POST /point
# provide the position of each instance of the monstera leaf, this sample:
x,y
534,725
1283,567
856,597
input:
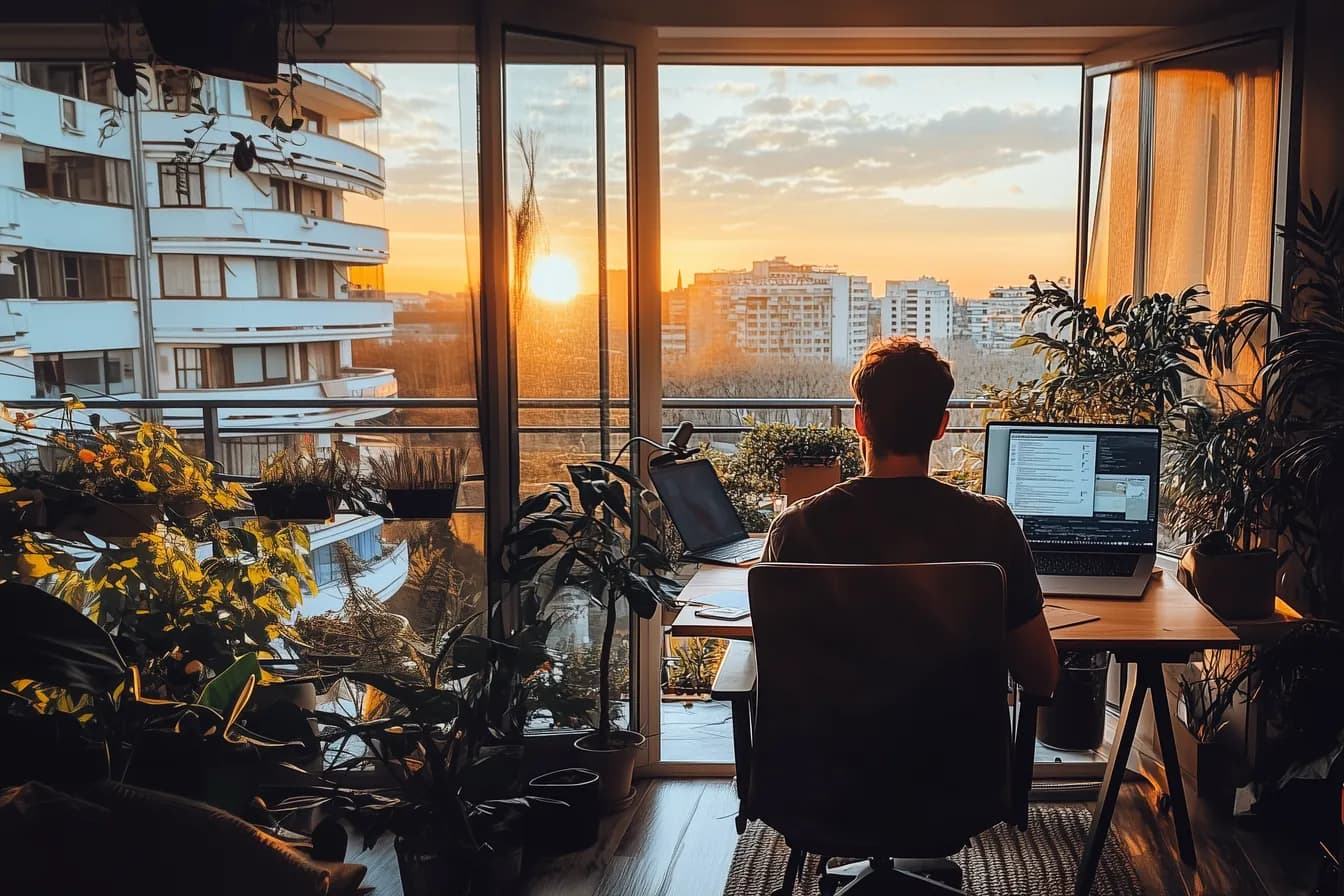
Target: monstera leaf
x,y
45,639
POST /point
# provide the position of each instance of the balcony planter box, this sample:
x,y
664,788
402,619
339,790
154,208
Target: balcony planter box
x,y
422,503
109,521
1240,585
285,504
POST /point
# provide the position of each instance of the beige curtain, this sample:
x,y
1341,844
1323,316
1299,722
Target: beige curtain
x,y
1110,258
1212,198
1211,193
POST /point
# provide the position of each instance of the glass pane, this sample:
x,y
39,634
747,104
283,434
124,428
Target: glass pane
x,y
1109,273
807,210
569,207
1214,139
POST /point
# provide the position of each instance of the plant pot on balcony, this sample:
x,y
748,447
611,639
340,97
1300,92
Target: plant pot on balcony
x,y
422,503
614,764
287,504
110,521
570,823
803,477
1239,585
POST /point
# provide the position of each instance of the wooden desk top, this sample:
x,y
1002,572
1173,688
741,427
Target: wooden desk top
x,y
1167,617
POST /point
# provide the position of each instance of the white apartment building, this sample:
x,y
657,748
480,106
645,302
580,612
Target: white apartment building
x,y
993,323
780,309
238,285
920,308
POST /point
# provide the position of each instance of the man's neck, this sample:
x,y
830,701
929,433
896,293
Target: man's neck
x,y
896,466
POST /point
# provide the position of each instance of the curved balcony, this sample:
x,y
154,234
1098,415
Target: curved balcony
x,y
325,159
82,325
264,232
383,575
354,382
255,321
340,90
30,221
62,122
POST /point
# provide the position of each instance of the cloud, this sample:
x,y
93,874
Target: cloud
x,y
813,77
736,88
876,79
770,105
850,152
1016,190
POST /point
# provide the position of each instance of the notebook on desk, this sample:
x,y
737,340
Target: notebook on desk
x,y
1063,617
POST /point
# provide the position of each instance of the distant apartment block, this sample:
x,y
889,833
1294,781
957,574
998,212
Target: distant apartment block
x,y
775,308
920,308
992,323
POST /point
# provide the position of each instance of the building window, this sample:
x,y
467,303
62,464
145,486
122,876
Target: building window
x,y
87,374
260,364
272,278
318,361
314,279
189,364
72,79
69,275
76,176
182,184
291,196
180,91
191,276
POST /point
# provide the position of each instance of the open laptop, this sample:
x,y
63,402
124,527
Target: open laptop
x,y
1086,496
708,523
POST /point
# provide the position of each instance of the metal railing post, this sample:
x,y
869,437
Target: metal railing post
x,y
837,416
210,433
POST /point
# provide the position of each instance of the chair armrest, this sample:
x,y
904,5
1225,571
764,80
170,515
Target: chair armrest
x,y
736,678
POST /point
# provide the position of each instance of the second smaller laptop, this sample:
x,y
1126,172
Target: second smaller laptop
x,y
705,519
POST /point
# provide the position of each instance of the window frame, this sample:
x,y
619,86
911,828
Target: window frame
x,y
267,379
116,186
196,272
168,176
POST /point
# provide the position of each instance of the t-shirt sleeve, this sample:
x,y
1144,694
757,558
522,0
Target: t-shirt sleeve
x,y
1022,599
777,549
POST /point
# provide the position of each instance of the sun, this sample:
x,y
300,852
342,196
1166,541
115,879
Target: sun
x,y
554,279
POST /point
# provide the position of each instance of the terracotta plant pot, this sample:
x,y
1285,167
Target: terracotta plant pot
x,y
801,480
1236,586
573,825
422,503
615,765
290,505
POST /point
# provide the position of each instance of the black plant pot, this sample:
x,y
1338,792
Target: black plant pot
x,y
1218,774
1236,586
293,505
571,823
1076,717
429,872
422,503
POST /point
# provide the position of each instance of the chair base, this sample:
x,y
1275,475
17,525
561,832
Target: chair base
x,y
899,877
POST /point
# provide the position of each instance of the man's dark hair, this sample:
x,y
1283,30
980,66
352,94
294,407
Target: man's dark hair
x,y
902,385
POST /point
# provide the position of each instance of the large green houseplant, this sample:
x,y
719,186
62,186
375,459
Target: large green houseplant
x,y
558,542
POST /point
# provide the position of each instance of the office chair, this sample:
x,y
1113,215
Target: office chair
x,y
881,728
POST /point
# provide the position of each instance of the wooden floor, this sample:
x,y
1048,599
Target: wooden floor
x,y
678,838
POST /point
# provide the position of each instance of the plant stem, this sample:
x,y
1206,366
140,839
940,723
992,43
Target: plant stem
x,y
604,676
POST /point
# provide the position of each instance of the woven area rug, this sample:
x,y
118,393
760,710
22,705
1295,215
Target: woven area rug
x,y
1000,862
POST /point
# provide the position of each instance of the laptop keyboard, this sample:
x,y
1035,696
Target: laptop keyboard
x,y
734,552
1070,564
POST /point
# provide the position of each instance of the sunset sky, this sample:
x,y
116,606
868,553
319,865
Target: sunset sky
x,y
963,173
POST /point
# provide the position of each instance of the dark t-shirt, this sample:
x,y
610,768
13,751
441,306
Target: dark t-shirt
x,y
909,520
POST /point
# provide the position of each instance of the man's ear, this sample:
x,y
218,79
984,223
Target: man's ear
x,y
942,427
860,424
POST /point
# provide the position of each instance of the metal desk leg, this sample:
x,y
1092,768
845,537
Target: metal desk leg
x,y
742,712
1151,672
1110,785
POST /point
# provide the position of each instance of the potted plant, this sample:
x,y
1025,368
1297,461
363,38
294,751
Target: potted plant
x,y
557,543
451,742
300,486
1220,489
1209,686
420,483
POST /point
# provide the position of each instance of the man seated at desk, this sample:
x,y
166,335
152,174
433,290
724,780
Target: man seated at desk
x,y
897,513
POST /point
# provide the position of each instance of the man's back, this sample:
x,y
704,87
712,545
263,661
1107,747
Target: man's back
x,y
909,519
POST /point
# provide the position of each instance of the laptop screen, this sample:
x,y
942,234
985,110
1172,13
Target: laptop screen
x,y
697,503
1077,486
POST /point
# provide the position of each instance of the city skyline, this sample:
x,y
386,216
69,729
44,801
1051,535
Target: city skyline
x,y
759,161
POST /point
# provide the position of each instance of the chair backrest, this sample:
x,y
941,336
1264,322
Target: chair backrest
x,y
881,723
